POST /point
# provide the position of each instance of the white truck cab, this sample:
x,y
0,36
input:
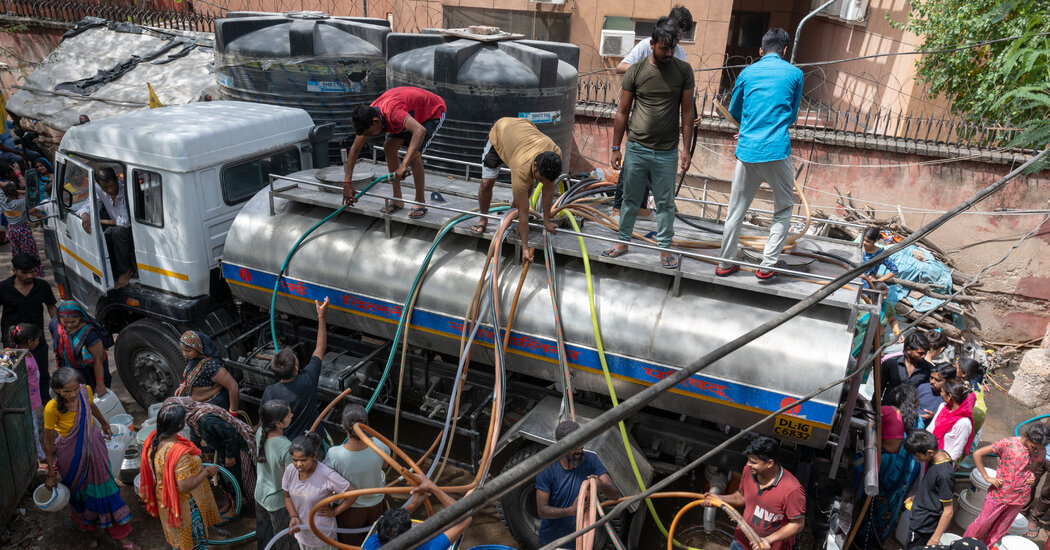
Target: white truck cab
x,y
184,172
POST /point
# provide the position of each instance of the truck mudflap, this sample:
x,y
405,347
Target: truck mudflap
x,y
537,426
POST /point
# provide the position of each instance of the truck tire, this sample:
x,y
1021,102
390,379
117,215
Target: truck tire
x,y
517,508
149,361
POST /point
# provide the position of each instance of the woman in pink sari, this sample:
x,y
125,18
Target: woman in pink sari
x,y
76,454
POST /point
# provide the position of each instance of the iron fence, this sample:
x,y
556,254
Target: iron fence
x,y
182,17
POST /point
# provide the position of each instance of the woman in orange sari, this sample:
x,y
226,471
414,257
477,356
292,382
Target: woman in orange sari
x,y
174,483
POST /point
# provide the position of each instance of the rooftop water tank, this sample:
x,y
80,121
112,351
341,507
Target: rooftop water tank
x,y
483,80
325,65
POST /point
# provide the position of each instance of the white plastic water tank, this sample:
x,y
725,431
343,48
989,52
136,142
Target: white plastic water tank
x,y
109,405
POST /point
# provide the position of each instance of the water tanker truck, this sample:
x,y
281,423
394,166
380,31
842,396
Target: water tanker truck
x,y
218,193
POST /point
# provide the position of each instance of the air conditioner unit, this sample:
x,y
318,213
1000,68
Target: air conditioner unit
x,y
558,2
616,43
854,10
831,11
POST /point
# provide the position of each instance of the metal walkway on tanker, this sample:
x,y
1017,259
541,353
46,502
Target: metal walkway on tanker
x,y
449,196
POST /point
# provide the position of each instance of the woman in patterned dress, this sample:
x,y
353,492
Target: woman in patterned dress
x,y
174,483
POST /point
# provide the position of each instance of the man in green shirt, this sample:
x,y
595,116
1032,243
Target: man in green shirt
x,y
660,89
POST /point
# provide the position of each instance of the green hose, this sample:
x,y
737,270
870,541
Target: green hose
x,y
295,248
608,377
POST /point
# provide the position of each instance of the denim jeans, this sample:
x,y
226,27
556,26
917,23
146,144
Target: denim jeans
x,y
661,167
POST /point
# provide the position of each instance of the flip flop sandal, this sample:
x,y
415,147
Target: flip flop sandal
x,y
613,252
669,262
418,212
390,209
478,228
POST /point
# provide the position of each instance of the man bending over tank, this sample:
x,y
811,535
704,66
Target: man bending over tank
x,y
558,487
398,521
531,156
405,113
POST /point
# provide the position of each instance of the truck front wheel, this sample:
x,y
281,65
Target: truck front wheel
x,y
149,361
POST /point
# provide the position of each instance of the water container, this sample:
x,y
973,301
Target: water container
x,y
154,409
116,447
965,510
51,501
948,538
125,420
978,486
1014,542
148,426
323,64
483,81
1019,526
109,405
120,432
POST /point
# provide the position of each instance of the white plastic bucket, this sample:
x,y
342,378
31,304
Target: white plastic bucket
x,y
109,405
978,486
148,426
137,484
154,409
116,447
965,511
51,501
1014,542
1019,526
125,420
120,432
949,538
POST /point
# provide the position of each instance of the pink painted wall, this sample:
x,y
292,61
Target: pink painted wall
x,y
22,51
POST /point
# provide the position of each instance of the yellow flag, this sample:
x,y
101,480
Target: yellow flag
x,y
3,107
154,101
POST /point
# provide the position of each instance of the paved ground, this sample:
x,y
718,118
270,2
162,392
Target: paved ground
x,y
36,530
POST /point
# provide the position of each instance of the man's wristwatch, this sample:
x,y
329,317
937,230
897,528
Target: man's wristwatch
x,y
614,148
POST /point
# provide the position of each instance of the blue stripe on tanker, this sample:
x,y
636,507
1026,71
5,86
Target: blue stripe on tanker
x,y
583,357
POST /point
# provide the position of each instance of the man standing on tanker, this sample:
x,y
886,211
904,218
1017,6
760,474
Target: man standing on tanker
x,y
405,113
657,88
531,156
765,101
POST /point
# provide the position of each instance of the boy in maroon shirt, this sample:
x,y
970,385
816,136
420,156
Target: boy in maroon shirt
x,y
774,502
405,113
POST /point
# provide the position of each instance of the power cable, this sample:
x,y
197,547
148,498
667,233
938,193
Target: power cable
x,y
533,465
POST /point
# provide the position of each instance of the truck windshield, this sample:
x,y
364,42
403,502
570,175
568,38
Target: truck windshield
x,y
241,181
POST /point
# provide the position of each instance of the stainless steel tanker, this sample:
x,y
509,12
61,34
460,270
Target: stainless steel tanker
x,y
648,329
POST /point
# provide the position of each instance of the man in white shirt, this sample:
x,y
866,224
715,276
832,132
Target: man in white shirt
x,y
642,50
116,222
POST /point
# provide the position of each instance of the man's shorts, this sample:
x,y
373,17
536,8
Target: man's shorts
x,y
431,126
490,162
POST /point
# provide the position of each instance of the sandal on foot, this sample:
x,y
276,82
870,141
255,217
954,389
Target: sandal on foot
x,y
1032,533
669,262
391,208
479,228
418,212
726,271
613,252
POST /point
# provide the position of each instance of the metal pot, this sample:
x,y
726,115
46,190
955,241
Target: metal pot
x,y
129,468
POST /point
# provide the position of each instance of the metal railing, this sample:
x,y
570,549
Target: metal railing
x,y
183,17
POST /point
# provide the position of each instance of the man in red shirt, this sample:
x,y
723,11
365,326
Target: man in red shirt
x,y
405,113
774,502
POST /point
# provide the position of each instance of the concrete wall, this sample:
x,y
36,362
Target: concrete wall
x,y
21,51
1016,292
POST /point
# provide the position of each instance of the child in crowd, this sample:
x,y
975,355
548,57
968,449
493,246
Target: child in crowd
x,y
1011,487
306,481
298,387
932,507
363,468
274,456
27,336
21,235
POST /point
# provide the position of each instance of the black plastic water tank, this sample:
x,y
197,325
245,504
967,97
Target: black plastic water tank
x,y
322,64
483,81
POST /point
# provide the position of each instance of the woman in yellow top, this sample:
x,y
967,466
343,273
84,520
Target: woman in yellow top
x,y
173,483
76,453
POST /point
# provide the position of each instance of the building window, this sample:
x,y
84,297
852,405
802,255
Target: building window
x,y
644,30
241,181
554,27
746,29
149,197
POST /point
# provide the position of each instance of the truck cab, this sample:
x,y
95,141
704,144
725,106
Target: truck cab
x,y
184,172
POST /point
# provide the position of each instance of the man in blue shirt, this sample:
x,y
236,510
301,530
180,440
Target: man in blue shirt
x,y
765,101
558,487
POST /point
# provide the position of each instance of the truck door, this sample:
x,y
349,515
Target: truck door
x,y
84,253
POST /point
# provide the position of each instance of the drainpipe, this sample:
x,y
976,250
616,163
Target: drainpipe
x,y
718,481
798,31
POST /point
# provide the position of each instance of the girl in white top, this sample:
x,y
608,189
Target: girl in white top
x,y
952,425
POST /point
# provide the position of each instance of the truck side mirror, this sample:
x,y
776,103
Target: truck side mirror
x,y
67,198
